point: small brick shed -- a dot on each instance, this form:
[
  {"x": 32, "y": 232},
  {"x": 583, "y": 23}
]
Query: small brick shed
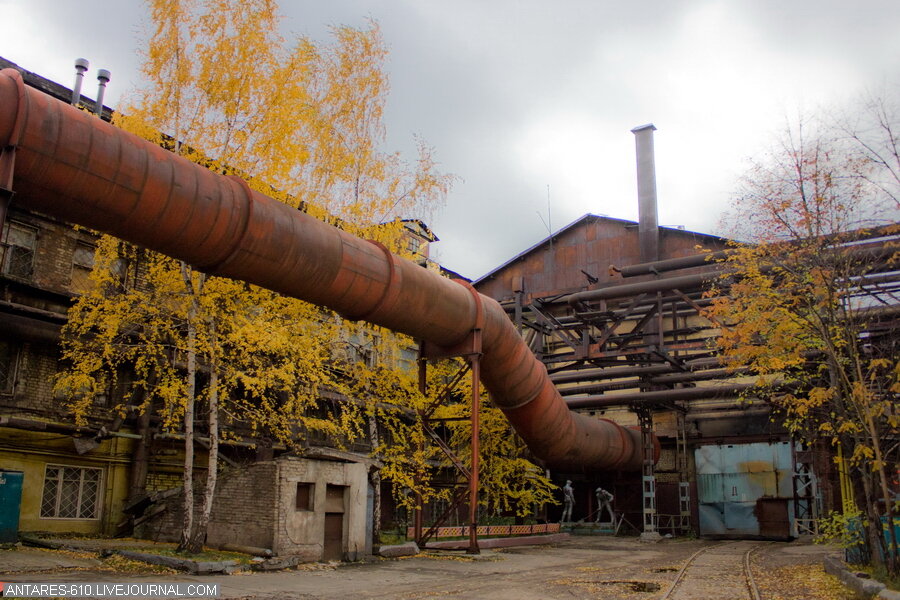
[{"x": 314, "y": 508}]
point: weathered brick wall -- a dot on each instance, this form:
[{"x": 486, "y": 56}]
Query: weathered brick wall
[
  {"x": 243, "y": 509},
  {"x": 48, "y": 289},
  {"x": 54, "y": 250},
  {"x": 33, "y": 391},
  {"x": 157, "y": 482}
]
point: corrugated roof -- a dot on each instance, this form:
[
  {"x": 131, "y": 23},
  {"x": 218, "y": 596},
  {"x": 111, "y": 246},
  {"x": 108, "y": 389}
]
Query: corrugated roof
[{"x": 589, "y": 217}]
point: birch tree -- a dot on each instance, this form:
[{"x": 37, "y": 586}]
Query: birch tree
[
  {"x": 302, "y": 122},
  {"x": 811, "y": 300}
]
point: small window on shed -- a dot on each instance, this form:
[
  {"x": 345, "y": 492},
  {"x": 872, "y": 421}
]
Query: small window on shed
[{"x": 304, "y": 496}]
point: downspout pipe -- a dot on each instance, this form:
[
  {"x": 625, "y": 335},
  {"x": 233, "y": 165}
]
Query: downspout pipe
[{"x": 85, "y": 171}]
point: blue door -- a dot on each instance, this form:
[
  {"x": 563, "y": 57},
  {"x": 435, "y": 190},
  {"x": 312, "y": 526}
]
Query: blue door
[{"x": 10, "y": 499}]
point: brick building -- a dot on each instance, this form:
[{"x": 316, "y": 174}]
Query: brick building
[{"x": 82, "y": 479}]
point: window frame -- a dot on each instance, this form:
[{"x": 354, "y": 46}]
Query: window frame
[
  {"x": 7, "y": 254},
  {"x": 98, "y": 502},
  {"x": 82, "y": 267}
]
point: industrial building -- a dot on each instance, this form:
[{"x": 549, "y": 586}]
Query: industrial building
[{"x": 592, "y": 342}]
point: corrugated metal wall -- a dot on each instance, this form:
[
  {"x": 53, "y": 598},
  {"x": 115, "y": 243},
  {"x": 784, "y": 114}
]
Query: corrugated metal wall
[{"x": 745, "y": 489}]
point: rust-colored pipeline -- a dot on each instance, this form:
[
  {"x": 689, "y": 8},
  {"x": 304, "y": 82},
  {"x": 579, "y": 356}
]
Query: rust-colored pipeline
[{"x": 76, "y": 167}]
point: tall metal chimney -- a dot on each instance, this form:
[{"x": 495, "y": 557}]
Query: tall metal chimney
[
  {"x": 81, "y": 65},
  {"x": 648, "y": 217},
  {"x": 103, "y": 78}
]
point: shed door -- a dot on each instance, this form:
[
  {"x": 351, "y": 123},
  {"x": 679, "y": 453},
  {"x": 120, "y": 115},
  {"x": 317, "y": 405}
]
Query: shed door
[
  {"x": 334, "y": 537},
  {"x": 333, "y": 548}
]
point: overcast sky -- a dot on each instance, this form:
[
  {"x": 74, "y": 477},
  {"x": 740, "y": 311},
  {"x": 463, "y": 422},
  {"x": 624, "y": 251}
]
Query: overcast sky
[{"x": 516, "y": 96}]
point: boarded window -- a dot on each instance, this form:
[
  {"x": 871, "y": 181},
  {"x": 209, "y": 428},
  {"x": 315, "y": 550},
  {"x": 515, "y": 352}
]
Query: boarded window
[
  {"x": 304, "y": 496},
  {"x": 334, "y": 498},
  {"x": 18, "y": 250},
  {"x": 71, "y": 493}
]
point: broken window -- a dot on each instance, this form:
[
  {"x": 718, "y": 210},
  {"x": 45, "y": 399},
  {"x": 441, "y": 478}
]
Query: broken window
[
  {"x": 18, "y": 250},
  {"x": 82, "y": 265}
]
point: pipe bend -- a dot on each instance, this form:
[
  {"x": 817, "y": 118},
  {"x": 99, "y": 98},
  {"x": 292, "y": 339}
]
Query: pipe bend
[
  {"x": 13, "y": 104},
  {"x": 80, "y": 169}
]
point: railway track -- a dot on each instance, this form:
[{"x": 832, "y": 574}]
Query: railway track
[{"x": 717, "y": 571}]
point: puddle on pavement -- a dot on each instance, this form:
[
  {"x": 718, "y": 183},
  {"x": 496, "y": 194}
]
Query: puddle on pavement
[{"x": 636, "y": 586}]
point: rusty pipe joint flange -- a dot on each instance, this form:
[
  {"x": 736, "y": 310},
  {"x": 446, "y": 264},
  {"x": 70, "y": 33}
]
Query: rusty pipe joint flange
[
  {"x": 479, "y": 303},
  {"x": 12, "y": 131},
  {"x": 391, "y": 288},
  {"x": 238, "y": 240}
]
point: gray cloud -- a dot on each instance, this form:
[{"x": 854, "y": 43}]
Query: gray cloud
[{"x": 516, "y": 95}]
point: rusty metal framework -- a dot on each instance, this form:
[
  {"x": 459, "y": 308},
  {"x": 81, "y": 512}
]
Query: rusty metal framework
[
  {"x": 90, "y": 173},
  {"x": 648, "y": 346},
  {"x": 642, "y": 345},
  {"x": 470, "y": 350},
  {"x": 806, "y": 496}
]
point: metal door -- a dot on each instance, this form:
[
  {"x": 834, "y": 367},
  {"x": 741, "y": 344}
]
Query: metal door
[
  {"x": 10, "y": 500},
  {"x": 732, "y": 478}
]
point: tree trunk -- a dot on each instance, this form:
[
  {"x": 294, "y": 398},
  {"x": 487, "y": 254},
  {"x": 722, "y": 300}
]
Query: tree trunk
[
  {"x": 202, "y": 525},
  {"x": 140, "y": 459},
  {"x": 375, "y": 478},
  {"x": 892, "y": 558},
  {"x": 873, "y": 529},
  {"x": 190, "y": 392}
]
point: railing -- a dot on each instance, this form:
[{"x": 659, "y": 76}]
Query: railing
[{"x": 484, "y": 530}]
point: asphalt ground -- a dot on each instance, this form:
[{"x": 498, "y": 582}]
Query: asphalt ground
[{"x": 580, "y": 567}]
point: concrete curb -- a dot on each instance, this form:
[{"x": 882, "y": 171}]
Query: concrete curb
[
  {"x": 193, "y": 566},
  {"x": 860, "y": 585},
  {"x": 484, "y": 544},
  {"x": 397, "y": 550}
]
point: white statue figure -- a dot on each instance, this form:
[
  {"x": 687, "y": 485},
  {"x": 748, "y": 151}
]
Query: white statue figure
[
  {"x": 568, "y": 501},
  {"x": 604, "y": 502}
]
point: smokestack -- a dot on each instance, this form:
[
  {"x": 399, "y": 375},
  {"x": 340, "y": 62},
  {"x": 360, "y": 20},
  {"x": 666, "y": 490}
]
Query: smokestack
[
  {"x": 648, "y": 219},
  {"x": 103, "y": 78},
  {"x": 81, "y": 65}
]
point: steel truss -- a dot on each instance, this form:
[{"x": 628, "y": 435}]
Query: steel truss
[{"x": 470, "y": 350}]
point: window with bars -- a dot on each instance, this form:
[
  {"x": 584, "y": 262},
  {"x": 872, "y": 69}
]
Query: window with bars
[
  {"x": 18, "y": 250},
  {"x": 71, "y": 493},
  {"x": 9, "y": 363},
  {"x": 82, "y": 265}
]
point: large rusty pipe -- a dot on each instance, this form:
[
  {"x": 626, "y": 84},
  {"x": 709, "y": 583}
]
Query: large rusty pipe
[
  {"x": 615, "y": 372},
  {"x": 711, "y": 259},
  {"x": 658, "y": 397},
  {"x": 85, "y": 171},
  {"x": 623, "y": 290},
  {"x": 624, "y": 384}
]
